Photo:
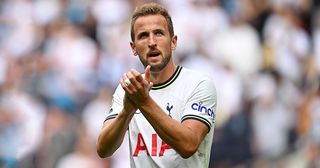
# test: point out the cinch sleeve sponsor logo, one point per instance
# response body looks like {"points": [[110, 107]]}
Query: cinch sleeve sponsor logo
{"points": [[202, 109]]}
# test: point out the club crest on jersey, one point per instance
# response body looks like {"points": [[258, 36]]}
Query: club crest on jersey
{"points": [[169, 108], [203, 109]]}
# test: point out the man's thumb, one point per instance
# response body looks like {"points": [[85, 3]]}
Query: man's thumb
{"points": [[147, 74]]}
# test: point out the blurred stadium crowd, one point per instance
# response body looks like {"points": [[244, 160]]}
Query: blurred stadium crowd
{"points": [[60, 61]]}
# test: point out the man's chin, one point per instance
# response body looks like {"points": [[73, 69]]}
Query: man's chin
{"points": [[156, 68]]}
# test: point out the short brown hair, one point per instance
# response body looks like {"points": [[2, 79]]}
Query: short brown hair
{"points": [[151, 9]]}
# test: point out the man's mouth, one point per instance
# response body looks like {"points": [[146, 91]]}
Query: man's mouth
{"points": [[154, 54]]}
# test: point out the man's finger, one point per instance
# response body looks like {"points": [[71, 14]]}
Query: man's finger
{"points": [[133, 81], [123, 84], [137, 75]]}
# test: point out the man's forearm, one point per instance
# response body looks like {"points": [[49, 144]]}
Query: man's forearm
{"points": [[178, 136], [112, 134]]}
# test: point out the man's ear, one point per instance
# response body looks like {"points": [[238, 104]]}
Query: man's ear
{"points": [[174, 40], [133, 48]]}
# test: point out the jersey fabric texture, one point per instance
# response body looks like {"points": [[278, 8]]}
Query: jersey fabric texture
{"points": [[186, 95]]}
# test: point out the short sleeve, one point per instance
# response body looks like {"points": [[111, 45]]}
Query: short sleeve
{"points": [[201, 105], [117, 103]]}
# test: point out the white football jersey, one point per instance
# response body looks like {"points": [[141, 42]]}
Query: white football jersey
{"points": [[186, 95]]}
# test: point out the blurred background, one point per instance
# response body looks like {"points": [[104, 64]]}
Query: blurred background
{"points": [[60, 61]]}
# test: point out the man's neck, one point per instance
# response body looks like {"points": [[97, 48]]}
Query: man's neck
{"points": [[163, 75]]}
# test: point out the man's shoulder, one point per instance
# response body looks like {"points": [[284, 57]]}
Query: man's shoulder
{"points": [[194, 75], [197, 79]]}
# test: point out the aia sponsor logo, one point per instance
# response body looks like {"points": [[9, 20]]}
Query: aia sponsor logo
{"points": [[203, 109], [142, 147]]}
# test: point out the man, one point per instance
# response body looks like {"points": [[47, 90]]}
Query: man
{"points": [[169, 111]]}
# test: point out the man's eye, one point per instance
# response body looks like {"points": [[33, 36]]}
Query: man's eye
{"points": [[159, 34], [143, 36]]}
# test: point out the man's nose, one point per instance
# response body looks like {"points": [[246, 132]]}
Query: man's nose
{"points": [[152, 41]]}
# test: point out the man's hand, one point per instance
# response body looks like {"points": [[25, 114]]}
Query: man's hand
{"points": [[138, 88]]}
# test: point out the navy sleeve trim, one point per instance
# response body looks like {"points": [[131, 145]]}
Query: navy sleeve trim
{"points": [[199, 118], [110, 117]]}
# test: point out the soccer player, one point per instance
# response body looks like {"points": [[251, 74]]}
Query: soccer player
{"points": [[168, 111]]}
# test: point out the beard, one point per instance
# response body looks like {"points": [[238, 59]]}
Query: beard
{"points": [[157, 67]]}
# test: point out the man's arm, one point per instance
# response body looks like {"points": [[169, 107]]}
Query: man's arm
{"points": [[113, 130], [112, 134]]}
